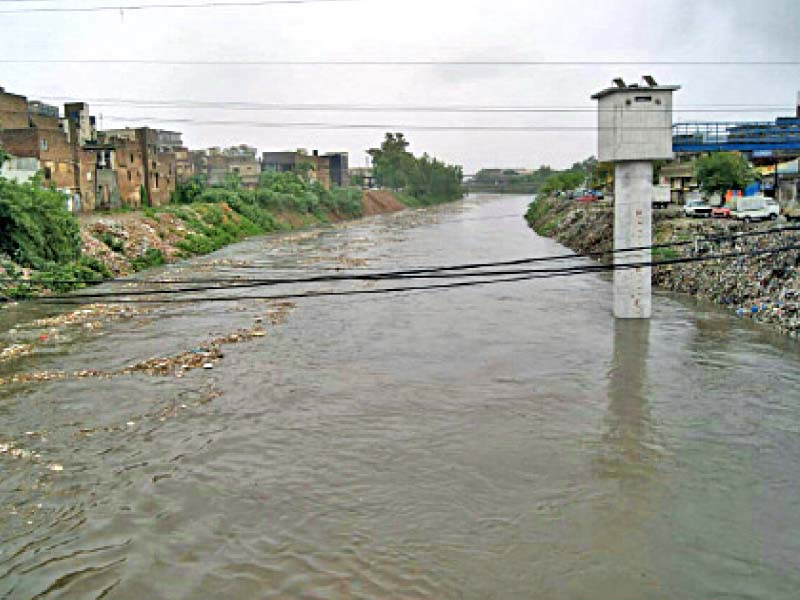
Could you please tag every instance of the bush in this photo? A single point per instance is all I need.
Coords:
(35, 226)
(153, 257)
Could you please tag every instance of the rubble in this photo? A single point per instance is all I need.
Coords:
(205, 356)
(764, 289)
(90, 315)
(15, 351)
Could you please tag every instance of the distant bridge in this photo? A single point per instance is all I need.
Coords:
(755, 137)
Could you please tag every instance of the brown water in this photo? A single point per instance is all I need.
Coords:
(509, 441)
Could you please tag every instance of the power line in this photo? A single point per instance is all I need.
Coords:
(255, 106)
(529, 276)
(445, 272)
(411, 271)
(138, 7)
(371, 126)
(397, 63)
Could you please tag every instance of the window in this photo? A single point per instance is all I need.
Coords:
(156, 180)
(131, 158)
(89, 176)
(130, 176)
(43, 144)
(48, 173)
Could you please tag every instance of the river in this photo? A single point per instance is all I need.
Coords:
(505, 441)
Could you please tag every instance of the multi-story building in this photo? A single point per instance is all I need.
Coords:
(138, 160)
(314, 167)
(218, 164)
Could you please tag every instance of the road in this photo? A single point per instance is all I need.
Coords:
(508, 441)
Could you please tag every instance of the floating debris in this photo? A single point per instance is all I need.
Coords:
(202, 357)
(15, 351)
(56, 468)
(90, 314)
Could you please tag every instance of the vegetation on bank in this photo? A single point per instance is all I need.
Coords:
(421, 181)
(42, 247)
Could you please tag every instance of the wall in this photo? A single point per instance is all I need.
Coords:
(13, 111)
(20, 169)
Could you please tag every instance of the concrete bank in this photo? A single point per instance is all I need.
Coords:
(765, 289)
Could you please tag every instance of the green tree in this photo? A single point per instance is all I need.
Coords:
(724, 171)
(35, 226)
(426, 179)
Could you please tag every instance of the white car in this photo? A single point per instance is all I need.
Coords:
(756, 208)
(697, 208)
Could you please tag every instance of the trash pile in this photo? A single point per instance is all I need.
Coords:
(92, 314)
(763, 288)
(205, 356)
(15, 351)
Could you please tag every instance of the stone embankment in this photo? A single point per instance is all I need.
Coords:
(763, 288)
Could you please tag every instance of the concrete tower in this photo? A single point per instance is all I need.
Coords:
(635, 128)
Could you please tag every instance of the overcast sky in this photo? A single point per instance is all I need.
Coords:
(627, 30)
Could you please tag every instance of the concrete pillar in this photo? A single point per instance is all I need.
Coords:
(633, 227)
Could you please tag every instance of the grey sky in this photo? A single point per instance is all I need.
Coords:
(637, 30)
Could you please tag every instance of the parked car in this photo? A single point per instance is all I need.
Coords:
(697, 208)
(774, 208)
(586, 198)
(756, 208)
(721, 212)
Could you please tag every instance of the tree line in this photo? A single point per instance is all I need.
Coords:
(425, 179)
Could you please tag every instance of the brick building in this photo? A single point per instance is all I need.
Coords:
(145, 176)
(33, 129)
(217, 164)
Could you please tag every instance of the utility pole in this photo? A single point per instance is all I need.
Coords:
(634, 129)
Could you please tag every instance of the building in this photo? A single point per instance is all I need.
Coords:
(681, 177)
(135, 155)
(219, 164)
(281, 162)
(13, 111)
(19, 169)
(363, 176)
(168, 141)
(78, 124)
(339, 168)
(314, 167)
(184, 165)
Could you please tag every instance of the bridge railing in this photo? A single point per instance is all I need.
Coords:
(733, 135)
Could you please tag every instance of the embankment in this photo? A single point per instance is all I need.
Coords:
(122, 243)
(765, 289)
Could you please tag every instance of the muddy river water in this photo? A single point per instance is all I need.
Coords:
(507, 441)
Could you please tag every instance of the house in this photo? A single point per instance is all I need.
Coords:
(315, 167)
(136, 156)
(680, 175)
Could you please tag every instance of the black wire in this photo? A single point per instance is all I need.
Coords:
(398, 63)
(571, 271)
(407, 273)
(138, 7)
(256, 106)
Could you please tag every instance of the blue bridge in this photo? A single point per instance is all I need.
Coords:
(754, 137)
